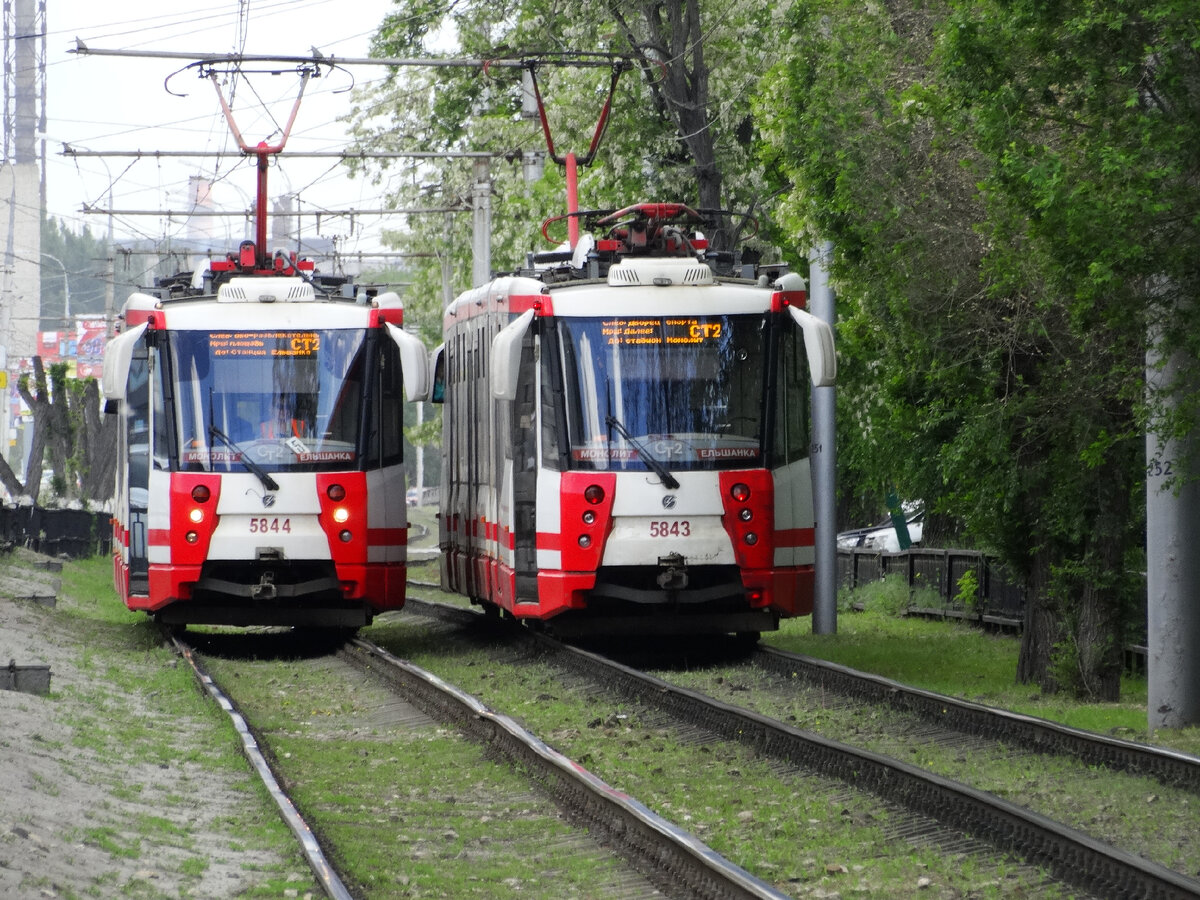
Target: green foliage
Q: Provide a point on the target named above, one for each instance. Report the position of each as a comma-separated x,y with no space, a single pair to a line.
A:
1011,188
967,595
428,433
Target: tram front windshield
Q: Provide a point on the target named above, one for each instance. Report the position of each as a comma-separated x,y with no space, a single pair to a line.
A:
280,399
686,390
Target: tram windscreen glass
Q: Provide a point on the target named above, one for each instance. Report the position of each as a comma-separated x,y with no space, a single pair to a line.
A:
282,399
686,389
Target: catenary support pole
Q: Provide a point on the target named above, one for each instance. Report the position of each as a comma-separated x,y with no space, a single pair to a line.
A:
823,458
481,240
1172,571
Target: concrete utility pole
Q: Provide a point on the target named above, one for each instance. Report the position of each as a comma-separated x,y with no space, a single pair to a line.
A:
1172,569
823,457
481,240
20,181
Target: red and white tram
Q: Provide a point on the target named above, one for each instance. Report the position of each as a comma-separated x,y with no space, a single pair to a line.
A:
261,440
626,435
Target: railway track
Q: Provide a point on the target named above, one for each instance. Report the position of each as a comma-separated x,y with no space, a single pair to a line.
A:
661,859
1169,767
1073,856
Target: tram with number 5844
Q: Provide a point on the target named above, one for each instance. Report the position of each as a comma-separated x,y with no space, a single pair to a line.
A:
261,445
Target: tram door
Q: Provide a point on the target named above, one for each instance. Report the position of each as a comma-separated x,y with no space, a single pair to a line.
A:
137,442
524,447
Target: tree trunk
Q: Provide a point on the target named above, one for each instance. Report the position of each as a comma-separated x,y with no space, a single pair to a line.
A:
60,437
8,477
39,406
98,439
674,49
1098,651
1041,629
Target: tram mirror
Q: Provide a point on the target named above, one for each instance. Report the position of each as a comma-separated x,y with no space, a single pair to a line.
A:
413,361
437,378
818,346
506,357
117,357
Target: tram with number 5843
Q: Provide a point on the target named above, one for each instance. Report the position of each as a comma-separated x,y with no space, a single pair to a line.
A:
626,434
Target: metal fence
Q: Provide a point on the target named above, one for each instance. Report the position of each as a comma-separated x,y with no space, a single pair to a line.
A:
997,600
75,533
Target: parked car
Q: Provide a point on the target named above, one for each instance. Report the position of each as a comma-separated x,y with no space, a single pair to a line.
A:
429,496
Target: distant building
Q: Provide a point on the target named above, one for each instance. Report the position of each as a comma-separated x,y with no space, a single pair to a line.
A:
81,348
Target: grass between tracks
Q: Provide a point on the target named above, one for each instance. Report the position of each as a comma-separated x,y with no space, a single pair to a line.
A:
948,657
945,657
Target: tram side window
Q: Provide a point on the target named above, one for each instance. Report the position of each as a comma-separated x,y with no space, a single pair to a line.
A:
553,403
794,392
160,446
386,441
137,436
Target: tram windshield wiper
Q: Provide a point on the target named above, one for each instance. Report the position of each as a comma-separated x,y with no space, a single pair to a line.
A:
659,469
268,482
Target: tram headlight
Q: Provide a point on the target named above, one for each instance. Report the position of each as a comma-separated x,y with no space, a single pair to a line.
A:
751,538
589,517
191,537
745,514
196,515
344,536
341,515
585,541
740,492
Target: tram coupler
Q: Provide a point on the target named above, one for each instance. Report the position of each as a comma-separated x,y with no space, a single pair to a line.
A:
265,589
674,575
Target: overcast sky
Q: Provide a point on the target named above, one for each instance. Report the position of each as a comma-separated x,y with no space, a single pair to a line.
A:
103,103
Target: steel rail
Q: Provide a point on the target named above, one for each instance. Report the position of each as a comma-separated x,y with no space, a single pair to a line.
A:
1171,767
324,872
650,841
1073,857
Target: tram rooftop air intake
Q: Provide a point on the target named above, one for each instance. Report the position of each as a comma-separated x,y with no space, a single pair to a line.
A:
266,290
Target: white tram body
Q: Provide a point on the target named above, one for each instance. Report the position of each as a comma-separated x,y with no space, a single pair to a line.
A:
626,437
261,442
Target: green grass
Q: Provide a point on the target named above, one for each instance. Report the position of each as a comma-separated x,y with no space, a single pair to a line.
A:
798,831
963,661
408,810
149,744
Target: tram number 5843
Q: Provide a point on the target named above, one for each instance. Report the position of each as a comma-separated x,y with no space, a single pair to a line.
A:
264,525
673,528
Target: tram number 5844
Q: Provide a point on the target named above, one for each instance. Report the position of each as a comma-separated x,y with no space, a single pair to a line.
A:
673,528
264,525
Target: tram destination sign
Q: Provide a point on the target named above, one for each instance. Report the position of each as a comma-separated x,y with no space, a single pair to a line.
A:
296,344
671,330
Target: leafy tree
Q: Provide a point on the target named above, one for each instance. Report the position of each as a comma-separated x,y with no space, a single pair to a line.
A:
1011,193
1087,113
681,123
